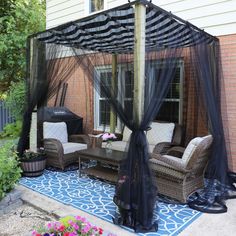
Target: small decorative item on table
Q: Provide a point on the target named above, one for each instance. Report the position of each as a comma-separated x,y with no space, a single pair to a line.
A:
108,137
33,163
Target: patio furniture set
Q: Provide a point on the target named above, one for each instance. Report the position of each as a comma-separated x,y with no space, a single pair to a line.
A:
178,171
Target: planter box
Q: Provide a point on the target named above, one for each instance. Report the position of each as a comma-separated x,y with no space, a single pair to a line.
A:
33,167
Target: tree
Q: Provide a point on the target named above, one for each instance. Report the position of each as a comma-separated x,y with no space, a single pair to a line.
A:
18,20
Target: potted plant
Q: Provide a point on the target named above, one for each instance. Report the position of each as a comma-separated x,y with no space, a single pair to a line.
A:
33,163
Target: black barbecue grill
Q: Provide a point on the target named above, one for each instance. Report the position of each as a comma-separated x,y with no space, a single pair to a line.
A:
59,114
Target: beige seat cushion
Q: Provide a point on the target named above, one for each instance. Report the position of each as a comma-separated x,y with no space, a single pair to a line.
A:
190,149
73,147
126,134
160,132
193,144
56,130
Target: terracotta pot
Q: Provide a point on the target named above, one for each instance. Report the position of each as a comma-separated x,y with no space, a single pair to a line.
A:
33,167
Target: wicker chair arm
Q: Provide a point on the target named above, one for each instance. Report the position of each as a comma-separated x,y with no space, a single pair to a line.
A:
176,151
52,144
80,138
162,148
171,162
54,149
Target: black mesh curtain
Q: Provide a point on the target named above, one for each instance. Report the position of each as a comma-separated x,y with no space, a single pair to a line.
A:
36,87
45,72
219,180
90,43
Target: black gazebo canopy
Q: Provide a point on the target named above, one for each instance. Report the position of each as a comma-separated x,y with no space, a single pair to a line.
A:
112,31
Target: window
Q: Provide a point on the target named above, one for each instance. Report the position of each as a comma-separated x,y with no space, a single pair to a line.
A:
171,109
96,5
102,108
129,87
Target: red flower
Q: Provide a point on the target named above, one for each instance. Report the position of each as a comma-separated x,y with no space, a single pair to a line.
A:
62,228
100,231
66,234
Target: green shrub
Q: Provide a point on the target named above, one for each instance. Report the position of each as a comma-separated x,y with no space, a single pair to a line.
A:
10,171
11,130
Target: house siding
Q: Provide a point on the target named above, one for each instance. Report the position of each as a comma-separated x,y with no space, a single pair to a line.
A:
61,11
217,17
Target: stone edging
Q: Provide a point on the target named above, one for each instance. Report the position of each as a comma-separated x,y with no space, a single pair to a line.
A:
10,202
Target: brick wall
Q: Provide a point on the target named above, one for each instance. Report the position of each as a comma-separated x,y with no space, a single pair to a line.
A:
228,55
194,115
80,99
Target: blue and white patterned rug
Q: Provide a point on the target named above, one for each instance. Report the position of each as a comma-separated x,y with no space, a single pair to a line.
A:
95,197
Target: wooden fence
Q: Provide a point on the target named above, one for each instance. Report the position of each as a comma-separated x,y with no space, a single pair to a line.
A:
5,115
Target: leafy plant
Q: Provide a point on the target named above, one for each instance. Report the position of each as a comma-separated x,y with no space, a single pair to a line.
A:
29,155
10,171
20,19
11,130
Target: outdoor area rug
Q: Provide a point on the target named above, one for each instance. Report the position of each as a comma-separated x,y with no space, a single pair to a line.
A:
96,197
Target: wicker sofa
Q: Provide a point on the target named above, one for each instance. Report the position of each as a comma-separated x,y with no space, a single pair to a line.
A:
179,177
59,148
161,137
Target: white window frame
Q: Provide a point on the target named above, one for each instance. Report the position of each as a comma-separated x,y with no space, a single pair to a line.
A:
121,73
180,65
88,10
97,99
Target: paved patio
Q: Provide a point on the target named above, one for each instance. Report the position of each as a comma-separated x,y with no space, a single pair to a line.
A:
205,225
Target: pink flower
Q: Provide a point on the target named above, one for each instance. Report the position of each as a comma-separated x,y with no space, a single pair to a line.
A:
49,225
87,228
78,217
70,222
73,234
108,136
75,226
56,225
82,219
34,232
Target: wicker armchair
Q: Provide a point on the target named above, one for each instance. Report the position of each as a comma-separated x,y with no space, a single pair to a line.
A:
179,177
59,148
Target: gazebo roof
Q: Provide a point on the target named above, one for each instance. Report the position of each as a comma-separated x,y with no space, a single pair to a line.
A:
113,31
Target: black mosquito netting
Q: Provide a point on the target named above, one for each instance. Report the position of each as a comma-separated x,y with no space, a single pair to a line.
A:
145,77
